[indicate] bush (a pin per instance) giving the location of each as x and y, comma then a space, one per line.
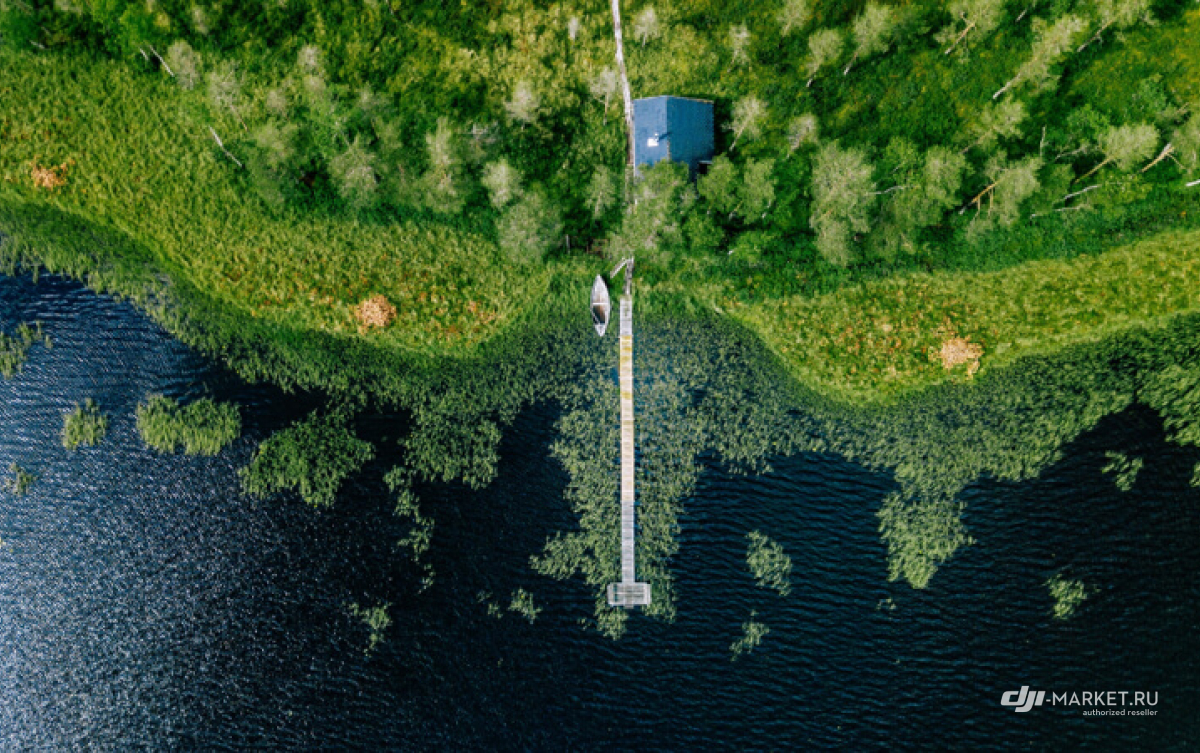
202, 428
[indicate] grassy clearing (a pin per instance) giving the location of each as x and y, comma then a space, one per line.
204, 427
141, 163
770, 565
84, 426
312, 456
873, 341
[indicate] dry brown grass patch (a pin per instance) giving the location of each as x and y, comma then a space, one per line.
49, 177
375, 311
958, 350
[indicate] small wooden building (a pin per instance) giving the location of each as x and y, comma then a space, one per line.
675, 128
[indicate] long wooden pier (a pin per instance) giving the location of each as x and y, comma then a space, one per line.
629, 592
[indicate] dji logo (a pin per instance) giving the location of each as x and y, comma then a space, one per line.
1023, 700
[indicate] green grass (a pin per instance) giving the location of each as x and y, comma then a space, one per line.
84, 426
769, 564
877, 340
312, 456
203, 427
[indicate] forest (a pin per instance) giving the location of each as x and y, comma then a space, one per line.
424, 175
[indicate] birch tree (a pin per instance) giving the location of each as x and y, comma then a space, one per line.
873, 30
801, 131
354, 175
624, 79
1052, 42
979, 16
748, 116
602, 192
843, 197
794, 16
1187, 144
603, 87
529, 228
502, 182
1117, 14
998, 120
739, 45
645, 25
524, 104
441, 180
926, 187
225, 90
185, 61
1009, 184
1126, 146
824, 49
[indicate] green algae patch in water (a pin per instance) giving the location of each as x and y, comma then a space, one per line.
753, 633
1068, 594
14, 349
1123, 469
312, 456
19, 480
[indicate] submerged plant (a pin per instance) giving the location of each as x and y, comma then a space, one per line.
1067, 593
85, 425
377, 621
522, 604
920, 534
772, 568
1124, 469
312, 456
20, 480
752, 634
15, 348
201, 428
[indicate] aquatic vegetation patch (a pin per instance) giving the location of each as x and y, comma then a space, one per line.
312, 456
419, 537
753, 633
203, 427
1175, 393
377, 621
921, 534
771, 566
14, 349
522, 604
1123, 468
1067, 593
84, 425
18, 481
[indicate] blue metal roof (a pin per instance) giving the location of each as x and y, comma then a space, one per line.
675, 128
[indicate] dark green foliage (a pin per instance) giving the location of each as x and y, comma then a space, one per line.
312, 456
84, 425
203, 427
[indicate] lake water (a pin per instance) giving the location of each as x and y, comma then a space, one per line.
144, 603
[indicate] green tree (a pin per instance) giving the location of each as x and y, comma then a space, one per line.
843, 197
1052, 42
824, 49
354, 175
185, 62
1116, 14
503, 183
873, 30
1125, 146
739, 45
749, 115
793, 16
602, 191
998, 120
524, 105
645, 25
980, 16
802, 131
529, 228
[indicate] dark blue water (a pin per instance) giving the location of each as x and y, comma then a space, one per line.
144, 603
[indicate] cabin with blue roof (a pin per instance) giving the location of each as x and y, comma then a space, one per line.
676, 128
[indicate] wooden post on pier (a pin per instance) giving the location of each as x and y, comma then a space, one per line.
629, 592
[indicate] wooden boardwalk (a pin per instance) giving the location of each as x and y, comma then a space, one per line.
628, 593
